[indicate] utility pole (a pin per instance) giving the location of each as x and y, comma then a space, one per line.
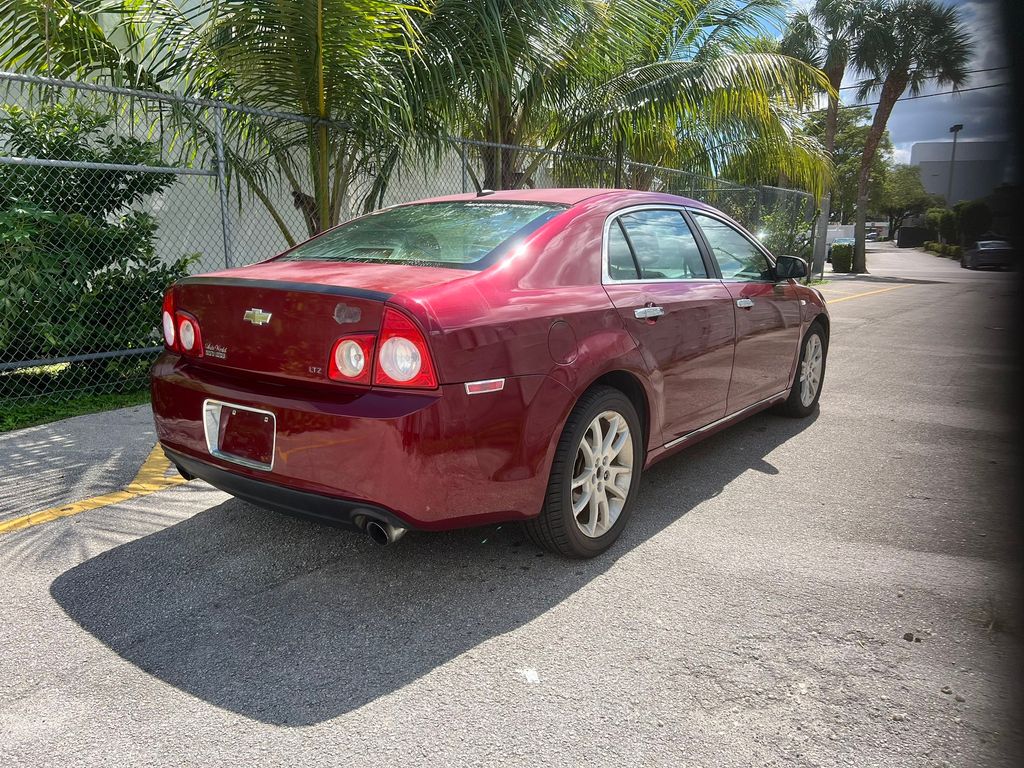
955, 129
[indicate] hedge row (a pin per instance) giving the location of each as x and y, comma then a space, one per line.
944, 249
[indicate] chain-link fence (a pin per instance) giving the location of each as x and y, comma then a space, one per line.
108, 195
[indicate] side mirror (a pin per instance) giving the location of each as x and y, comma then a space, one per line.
787, 267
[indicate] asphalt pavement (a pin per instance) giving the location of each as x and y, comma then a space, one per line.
835, 591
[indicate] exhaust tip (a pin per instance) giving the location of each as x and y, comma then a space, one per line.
378, 533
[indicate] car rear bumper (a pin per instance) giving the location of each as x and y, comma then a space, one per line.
994, 260
435, 460
330, 509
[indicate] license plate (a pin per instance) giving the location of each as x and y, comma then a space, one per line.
240, 434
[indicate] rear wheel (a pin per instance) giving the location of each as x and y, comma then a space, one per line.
810, 375
594, 477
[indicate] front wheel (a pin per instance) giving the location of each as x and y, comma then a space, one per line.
594, 477
810, 375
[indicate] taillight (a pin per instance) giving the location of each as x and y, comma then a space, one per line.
352, 359
189, 339
403, 358
168, 319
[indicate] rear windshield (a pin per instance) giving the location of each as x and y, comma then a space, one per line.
459, 234
993, 244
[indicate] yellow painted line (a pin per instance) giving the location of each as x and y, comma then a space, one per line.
152, 477
867, 293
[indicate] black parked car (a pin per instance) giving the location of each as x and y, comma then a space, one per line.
989, 253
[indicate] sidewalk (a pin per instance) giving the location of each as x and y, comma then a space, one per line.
73, 459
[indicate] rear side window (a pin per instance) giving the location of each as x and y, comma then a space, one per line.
663, 245
620, 258
456, 234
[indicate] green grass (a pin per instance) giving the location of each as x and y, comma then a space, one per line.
817, 281
16, 415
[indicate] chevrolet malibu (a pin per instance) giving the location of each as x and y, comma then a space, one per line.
512, 356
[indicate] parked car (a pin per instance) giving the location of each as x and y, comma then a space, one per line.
523, 355
838, 241
988, 253
871, 236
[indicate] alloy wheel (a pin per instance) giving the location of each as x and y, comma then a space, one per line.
602, 473
810, 369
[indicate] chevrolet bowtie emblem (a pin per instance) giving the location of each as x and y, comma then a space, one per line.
256, 316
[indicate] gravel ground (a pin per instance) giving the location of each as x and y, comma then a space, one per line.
837, 591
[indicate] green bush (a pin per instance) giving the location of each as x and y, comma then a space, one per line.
943, 222
973, 218
842, 258
954, 252
80, 270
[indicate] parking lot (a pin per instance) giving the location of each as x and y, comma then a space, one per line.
840, 590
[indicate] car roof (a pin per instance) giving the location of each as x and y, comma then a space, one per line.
565, 196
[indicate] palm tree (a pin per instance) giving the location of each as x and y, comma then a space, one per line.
653, 81
339, 65
825, 36
659, 81
905, 45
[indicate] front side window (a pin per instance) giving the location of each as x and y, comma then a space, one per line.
737, 256
455, 234
664, 246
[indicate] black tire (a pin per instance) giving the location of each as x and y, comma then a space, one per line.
555, 528
794, 406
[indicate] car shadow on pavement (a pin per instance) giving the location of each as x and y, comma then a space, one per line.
293, 623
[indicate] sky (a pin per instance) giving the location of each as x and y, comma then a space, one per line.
985, 114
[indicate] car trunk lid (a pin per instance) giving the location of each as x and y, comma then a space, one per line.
282, 320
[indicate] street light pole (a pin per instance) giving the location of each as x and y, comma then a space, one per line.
955, 129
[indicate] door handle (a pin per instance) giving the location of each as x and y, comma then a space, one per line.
744, 303
648, 313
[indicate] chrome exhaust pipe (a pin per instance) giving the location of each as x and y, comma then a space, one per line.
382, 534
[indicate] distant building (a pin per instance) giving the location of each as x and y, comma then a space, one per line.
981, 166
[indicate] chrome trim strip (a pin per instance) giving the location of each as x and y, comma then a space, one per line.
211, 418
706, 427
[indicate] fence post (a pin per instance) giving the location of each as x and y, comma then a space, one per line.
757, 208
222, 189
465, 166
618, 163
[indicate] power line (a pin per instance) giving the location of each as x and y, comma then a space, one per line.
924, 96
911, 98
931, 77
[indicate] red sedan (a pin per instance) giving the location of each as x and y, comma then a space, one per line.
471, 359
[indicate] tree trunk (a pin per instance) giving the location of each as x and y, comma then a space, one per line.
835, 78
891, 91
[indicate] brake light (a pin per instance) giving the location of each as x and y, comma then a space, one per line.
352, 359
403, 358
168, 320
190, 340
